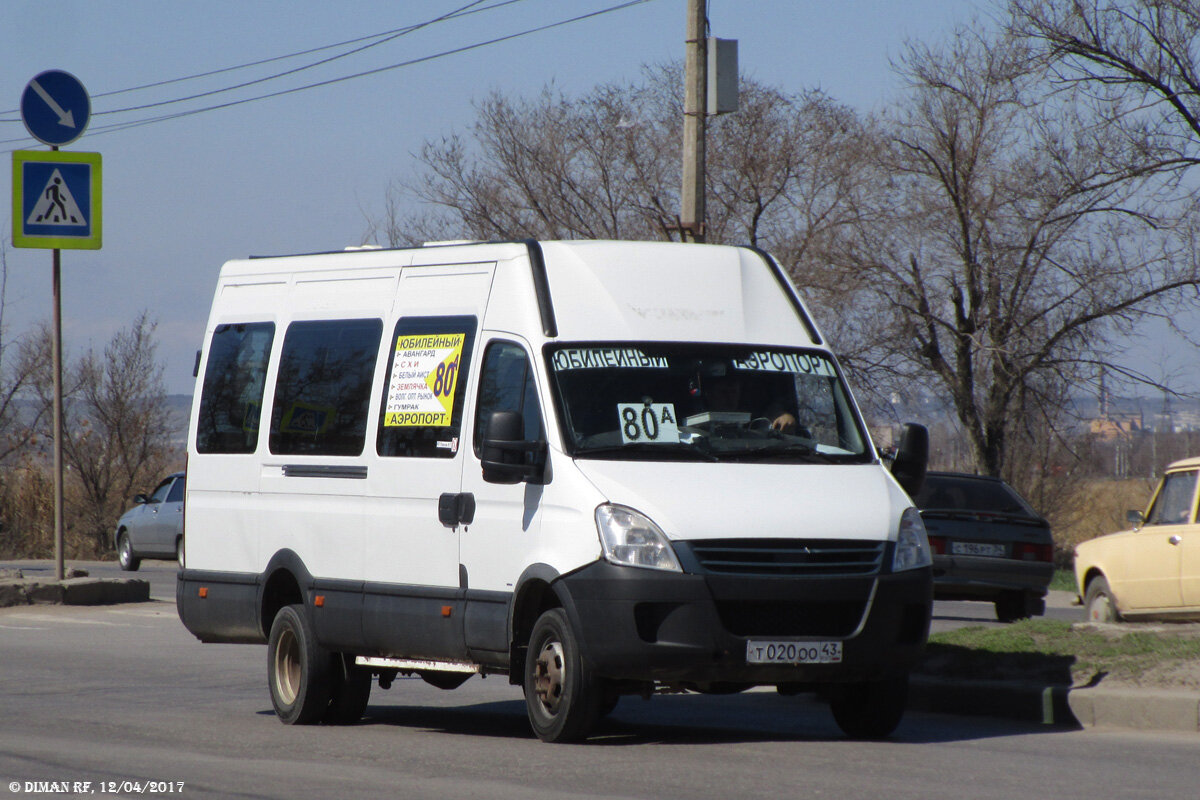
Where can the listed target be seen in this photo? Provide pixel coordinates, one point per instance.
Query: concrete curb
(1084, 707)
(72, 591)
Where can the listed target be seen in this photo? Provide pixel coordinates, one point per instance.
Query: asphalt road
(124, 694)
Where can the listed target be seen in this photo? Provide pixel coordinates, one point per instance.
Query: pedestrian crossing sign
(56, 200)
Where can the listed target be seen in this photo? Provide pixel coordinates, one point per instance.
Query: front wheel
(129, 562)
(562, 696)
(872, 709)
(298, 669)
(1098, 602)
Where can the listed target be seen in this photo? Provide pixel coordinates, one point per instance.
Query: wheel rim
(1100, 609)
(126, 551)
(287, 667)
(550, 676)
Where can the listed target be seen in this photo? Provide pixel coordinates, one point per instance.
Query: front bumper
(639, 624)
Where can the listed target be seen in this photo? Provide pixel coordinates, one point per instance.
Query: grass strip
(1057, 652)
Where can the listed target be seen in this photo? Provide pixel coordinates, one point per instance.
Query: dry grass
(1095, 508)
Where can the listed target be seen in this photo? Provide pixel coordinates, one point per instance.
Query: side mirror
(506, 456)
(140, 499)
(912, 458)
(1135, 518)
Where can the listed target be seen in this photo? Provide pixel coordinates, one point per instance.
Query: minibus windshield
(657, 401)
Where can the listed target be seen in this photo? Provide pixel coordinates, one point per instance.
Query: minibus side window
(232, 395)
(426, 383)
(506, 384)
(323, 390)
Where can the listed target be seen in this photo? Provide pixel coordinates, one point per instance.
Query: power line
(121, 126)
(386, 38)
(383, 37)
(467, 11)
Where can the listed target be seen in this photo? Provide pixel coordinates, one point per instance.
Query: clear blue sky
(299, 172)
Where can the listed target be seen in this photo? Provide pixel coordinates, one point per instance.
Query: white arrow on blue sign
(55, 108)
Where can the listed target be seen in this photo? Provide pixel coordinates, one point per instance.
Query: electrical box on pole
(722, 76)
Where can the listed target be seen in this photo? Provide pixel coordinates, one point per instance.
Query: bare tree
(19, 361)
(117, 431)
(1139, 55)
(1138, 58)
(606, 166)
(1009, 237)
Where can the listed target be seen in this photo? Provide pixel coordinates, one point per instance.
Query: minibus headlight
(632, 540)
(912, 545)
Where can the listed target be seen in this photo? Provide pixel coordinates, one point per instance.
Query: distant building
(1115, 426)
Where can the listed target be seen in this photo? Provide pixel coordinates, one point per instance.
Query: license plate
(759, 651)
(977, 549)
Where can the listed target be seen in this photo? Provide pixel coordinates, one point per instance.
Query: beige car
(1153, 570)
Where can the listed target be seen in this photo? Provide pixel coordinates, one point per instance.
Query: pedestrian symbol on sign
(56, 200)
(56, 206)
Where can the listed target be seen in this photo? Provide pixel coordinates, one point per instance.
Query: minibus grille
(788, 557)
(749, 618)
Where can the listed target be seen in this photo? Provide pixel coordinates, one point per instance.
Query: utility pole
(695, 112)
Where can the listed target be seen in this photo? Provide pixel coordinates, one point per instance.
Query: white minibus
(599, 468)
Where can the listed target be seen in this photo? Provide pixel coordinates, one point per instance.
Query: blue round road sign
(55, 108)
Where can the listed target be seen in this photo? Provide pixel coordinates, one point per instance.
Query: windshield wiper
(692, 452)
(803, 451)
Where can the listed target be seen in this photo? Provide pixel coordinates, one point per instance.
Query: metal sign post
(56, 204)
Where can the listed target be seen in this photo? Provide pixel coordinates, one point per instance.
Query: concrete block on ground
(44, 593)
(13, 594)
(98, 592)
(1137, 708)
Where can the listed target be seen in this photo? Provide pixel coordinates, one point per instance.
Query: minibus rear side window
(422, 403)
(232, 395)
(323, 390)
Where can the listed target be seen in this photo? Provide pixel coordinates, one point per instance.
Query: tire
(1011, 607)
(562, 696)
(129, 562)
(350, 689)
(298, 669)
(1098, 602)
(179, 552)
(870, 710)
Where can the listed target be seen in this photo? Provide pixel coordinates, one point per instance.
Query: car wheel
(562, 696)
(298, 669)
(179, 551)
(125, 555)
(349, 689)
(1098, 602)
(870, 710)
(1011, 607)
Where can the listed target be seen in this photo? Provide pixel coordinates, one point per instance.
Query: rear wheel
(1098, 602)
(125, 555)
(298, 669)
(562, 696)
(872, 709)
(1012, 607)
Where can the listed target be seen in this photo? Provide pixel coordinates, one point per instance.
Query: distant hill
(180, 407)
